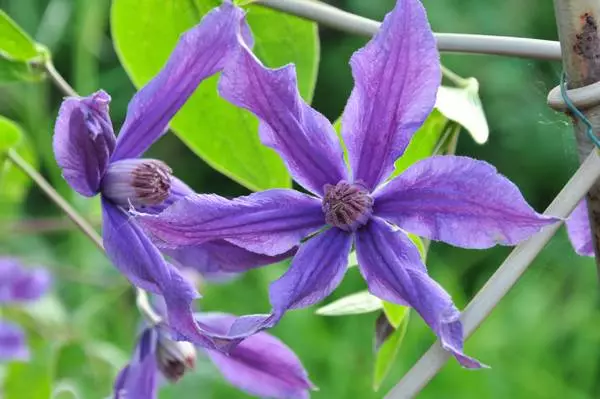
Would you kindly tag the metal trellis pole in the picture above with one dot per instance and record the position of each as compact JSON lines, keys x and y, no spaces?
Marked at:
{"x":577,"y":22}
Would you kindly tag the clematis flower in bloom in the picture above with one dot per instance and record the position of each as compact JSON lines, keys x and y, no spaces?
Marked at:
{"x":261,"y":365}
{"x":18,"y":285}
{"x":580,"y":231}
{"x":94,"y":162}
{"x":458,"y":200}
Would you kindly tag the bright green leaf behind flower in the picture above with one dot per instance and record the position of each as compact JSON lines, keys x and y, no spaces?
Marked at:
{"x":224,"y":136}
{"x":14,"y":42}
{"x":18,"y":71}
{"x":10,"y":134}
{"x":424,"y":141}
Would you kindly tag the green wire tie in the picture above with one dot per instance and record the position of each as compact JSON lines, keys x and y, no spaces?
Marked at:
{"x":589,"y":128}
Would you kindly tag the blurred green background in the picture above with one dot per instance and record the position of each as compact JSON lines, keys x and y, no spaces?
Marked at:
{"x":542,"y":341}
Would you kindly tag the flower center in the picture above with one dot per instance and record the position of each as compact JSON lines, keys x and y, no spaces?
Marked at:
{"x":347,"y":206}
{"x":139,"y":182}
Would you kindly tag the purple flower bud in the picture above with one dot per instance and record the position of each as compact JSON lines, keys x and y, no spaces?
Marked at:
{"x":347,"y":206}
{"x":174,"y":358}
{"x":137,"y":182}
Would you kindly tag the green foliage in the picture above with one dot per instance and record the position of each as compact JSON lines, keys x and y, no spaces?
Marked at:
{"x":387,"y":353}
{"x":10,"y":134}
{"x":424,"y":142}
{"x":33,"y":377}
{"x":357,"y":303}
{"x":14,"y":42}
{"x":18,"y":71}
{"x":224,"y":136}
{"x":14,"y":184}
{"x":17,"y":51}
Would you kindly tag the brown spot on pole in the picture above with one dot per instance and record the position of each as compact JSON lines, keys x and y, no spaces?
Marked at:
{"x":587,"y":46}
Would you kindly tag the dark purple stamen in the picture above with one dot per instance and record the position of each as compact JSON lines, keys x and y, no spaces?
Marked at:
{"x":139,"y":182}
{"x":152,"y":182}
{"x":347,"y":206}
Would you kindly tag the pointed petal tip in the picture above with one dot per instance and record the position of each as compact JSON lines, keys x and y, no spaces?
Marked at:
{"x":465,"y":361}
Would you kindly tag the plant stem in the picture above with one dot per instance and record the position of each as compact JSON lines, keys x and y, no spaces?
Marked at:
{"x":503,"y":279}
{"x":335,"y":18}
{"x":454,"y":77}
{"x":143,"y":303}
{"x":40,"y":225}
{"x":58,"y":80}
{"x":55,"y":197}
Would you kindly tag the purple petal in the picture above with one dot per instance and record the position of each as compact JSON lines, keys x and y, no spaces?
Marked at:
{"x":392,"y":267}
{"x":138,"y":380}
{"x":261,"y":365}
{"x":13,"y":344}
{"x":316,"y":270}
{"x":83,"y":141}
{"x":270,"y":222}
{"x":20,"y":284}
{"x":217,"y":257}
{"x":461,"y":201}
{"x":139,"y":260}
{"x":396,"y":77}
{"x":200,"y":52}
{"x":303,"y":137}
{"x":580,"y":232}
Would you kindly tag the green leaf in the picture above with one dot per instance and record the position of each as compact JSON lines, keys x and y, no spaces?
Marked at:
{"x":14,"y":42}
{"x":10,"y":134}
{"x":352,"y":259}
{"x":357,"y":303}
{"x":394,"y":313}
{"x":14,"y":184}
{"x":18,"y":71}
{"x":462,"y":105}
{"x":32,"y":379}
{"x":224,"y":136}
{"x":290,"y":39}
{"x":385,"y":357}
{"x":424,"y":141}
{"x":419,"y":244}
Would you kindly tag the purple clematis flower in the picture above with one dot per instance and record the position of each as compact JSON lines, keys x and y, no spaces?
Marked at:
{"x":458,"y":200}
{"x":94,"y":162}
{"x":18,"y":285}
{"x":580,"y":231}
{"x":261,"y":365}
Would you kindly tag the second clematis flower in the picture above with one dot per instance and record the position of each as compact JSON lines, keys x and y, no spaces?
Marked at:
{"x":94,"y":162}
{"x":458,"y":200}
{"x":262,"y":365}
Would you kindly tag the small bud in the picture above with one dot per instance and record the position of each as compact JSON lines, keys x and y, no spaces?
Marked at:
{"x":139,"y":182}
{"x":174,"y":358}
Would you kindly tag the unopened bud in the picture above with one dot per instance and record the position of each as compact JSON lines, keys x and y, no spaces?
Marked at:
{"x":137,"y":182}
{"x":174,"y":358}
